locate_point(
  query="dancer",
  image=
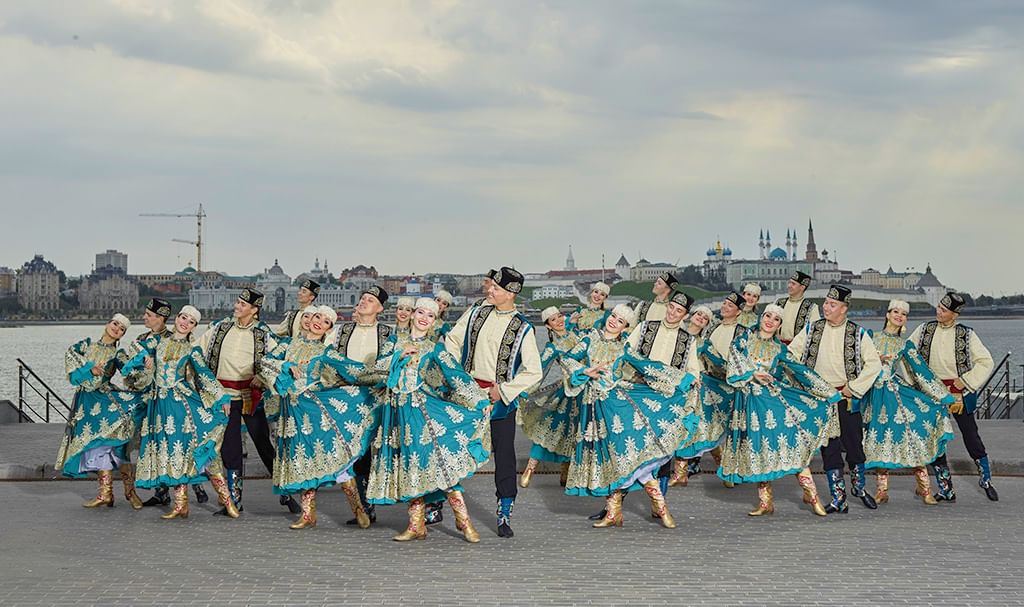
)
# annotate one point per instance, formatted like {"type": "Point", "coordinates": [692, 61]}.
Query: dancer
{"type": "Point", "coordinates": [101, 423]}
{"type": "Point", "coordinates": [441, 324]}
{"type": "Point", "coordinates": [185, 423]}
{"type": "Point", "coordinates": [782, 413]}
{"type": "Point", "coordinates": [432, 421]}
{"type": "Point", "coordinates": [549, 416]}
{"type": "Point", "coordinates": [362, 340]}
{"type": "Point", "coordinates": [955, 354]}
{"type": "Point", "coordinates": [626, 430]}
{"type": "Point", "coordinates": [496, 345]}
{"type": "Point", "coordinates": [663, 287]}
{"type": "Point", "coordinates": [291, 326]}
{"type": "Point", "coordinates": [748, 312]}
{"type": "Point", "coordinates": [593, 315]}
{"type": "Point", "coordinates": [403, 315]}
{"type": "Point", "coordinates": [844, 355]}
{"type": "Point", "coordinates": [323, 428]}
{"type": "Point", "coordinates": [234, 348]}
{"type": "Point", "coordinates": [798, 310]}
{"type": "Point", "coordinates": [906, 421]}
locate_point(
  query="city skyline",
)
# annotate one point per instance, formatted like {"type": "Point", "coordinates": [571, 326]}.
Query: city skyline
{"type": "Point", "coordinates": [451, 137]}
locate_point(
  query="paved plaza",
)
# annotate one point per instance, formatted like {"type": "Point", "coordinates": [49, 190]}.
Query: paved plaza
{"type": "Point", "coordinates": [56, 552]}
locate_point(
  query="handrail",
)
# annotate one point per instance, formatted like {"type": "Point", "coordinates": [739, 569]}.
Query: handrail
{"type": "Point", "coordinates": [25, 374]}
{"type": "Point", "coordinates": [995, 370]}
{"type": "Point", "coordinates": [996, 402]}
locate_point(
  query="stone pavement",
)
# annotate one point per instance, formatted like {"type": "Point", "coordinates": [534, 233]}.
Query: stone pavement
{"type": "Point", "coordinates": [27, 451]}
{"type": "Point", "coordinates": [56, 552]}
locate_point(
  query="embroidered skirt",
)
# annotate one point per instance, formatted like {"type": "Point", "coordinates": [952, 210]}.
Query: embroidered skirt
{"type": "Point", "coordinates": [180, 438]}
{"type": "Point", "coordinates": [716, 398]}
{"type": "Point", "coordinates": [99, 432]}
{"type": "Point", "coordinates": [550, 421]}
{"type": "Point", "coordinates": [903, 428]}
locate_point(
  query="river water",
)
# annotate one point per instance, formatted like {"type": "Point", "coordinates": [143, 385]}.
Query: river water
{"type": "Point", "coordinates": [42, 347]}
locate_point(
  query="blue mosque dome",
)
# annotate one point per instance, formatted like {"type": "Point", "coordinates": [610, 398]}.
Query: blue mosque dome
{"type": "Point", "coordinates": [711, 252]}
{"type": "Point", "coordinates": [777, 253]}
{"type": "Point", "coordinates": [727, 252]}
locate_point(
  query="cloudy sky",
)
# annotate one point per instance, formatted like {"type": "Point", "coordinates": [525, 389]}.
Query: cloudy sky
{"type": "Point", "coordinates": [449, 136]}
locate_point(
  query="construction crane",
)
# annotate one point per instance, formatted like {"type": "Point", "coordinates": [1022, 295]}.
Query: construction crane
{"type": "Point", "coordinates": [198, 242]}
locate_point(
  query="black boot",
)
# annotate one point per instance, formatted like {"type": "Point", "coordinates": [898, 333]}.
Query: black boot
{"type": "Point", "coordinates": [837, 488]}
{"type": "Point", "coordinates": [504, 514]}
{"type": "Point", "coordinates": [857, 480]}
{"type": "Point", "coordinates": [435, 513]}
{"type": "Point", "coordinates": [985, 478]}
{"type": "Point", "coordinates": [371, 511]}
{"type": "Point", "coordinates": [161, 497]}
{"type": "Point", "coordinates": [201, 495]}
{"type": "Point", "coordinates": [293, 506]}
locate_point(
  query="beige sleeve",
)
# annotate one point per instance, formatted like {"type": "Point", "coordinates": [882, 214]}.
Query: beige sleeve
{"type": "Point", "coordinates": [983, 364]}
{"type": "Point", "coordinates": [454, 339]}
{"type": "Point", "coordinates": [634, 337]}
{"type": "Point", "coordinates": [915, 338]}
{"type": "Point", "coordinates": [813, 315]}
{"type": "Point", "coordinates": [204, 340]}
{"type": "Point", "coordinates": [693, 364]}
{"type": "Point", "coordinates": [529, 375]}
{"type": "Point", "coordinates": [870, 370]}
{"type": "Point", "coordinates": [799, 344]}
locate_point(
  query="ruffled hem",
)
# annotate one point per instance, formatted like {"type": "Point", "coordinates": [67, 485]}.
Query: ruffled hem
{"type": "Point", "coordinates": [541, 454]}
{"type": "Point", "coordinates": [72, 467]}
{"type": "Point", "coordinates": [943, 441]}
{"type": "Point", "coordinates": [203, 456]}
{"type": "Point", "coordinates": [620, 483]}
{"type": "Point", "coordinates": [757, 478]}
{"type": "Point", "coordinates": [476, 451]}
{"type": "Point", "coordinates": [697, 449]}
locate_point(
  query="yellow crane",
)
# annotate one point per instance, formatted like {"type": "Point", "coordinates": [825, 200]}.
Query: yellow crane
{"type": "Point", "coordinates": [198, 242]}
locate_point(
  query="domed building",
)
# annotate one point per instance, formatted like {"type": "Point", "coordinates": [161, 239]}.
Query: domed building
{"type": "Point", "coordinates": [772, 267]}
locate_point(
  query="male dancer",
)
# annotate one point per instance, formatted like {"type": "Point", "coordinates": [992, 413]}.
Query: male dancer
{"type": "Point", "coordinates": [662, 290]}
{"type": "Point", "coordinates": [497, 346]}
{"type": "Point", "coordinates": [292, 323]}
{"type": "Point", "coordinates": [234, 348]}
{"type": "Point", "coordinates": [361, 339]}
{"type": "Point", "coordinates": [844, 355]}
{"type": "Point", "coordinates": [796, 311]}
{"type": "Point", "coordinates": [957, 356]}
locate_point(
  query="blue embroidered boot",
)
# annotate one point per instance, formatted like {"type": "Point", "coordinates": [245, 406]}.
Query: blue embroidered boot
{"type": "Point", "coordinates": [985, 480]}
{"type": "Point", "coordinates": [693, 466]}
{"type": "Point", "coordinates": [435, 513]}
{"type": "Point", "coordinates": [233, 478]}
{"type": "Point", "coordinates": [504, 514]}
{"type": "Point", "coordinates": [858, 482]}
{"type": "Point", "coordinates": [837, 488]}
{"type": "Point", "coordinates": [944, 482]}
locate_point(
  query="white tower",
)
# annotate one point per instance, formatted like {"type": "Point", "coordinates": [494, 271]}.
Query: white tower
{"type": "Point", "coordinates": [570, 263]}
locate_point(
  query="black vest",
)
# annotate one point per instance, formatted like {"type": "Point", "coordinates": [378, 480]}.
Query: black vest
{"type": "Point", "coordinates": [961, 345]}
{"type": "Point", "coordinates": [681, 351]}
{"type": "Point", "coordinates": [853, 362]}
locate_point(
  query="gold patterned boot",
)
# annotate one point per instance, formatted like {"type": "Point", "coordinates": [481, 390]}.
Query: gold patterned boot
{"type": "Point", "coordinates": [308, 504]}
{"type": "Point", "coordinates": [882, 491]}
{"type": "Point", "coordinates": [810, 491]}
{"type": "Point", "coordinates": [680, 474]}
{"type": "Point", "coordinates": [766, 505]}
{"type": "Point", "coordinates": [128, 480]}
{"type": "Point", "coordinates": [105, 493]}
{"type": "Point", "coordinates": [613, 511]}
{"type": "Point", "coordinates": [462, 522]}
{"type": "Point", "coordinates": [658, 505]}
{"type": "Point", "coordinates": [716, 454]}
{"type": "Point", "coordinates": [356, 504]}
{"type": "Point", "coordinates": [417, 529]}
{"type": "Point", "coordinates": [220, 485]}
{"type": "Point", "coordinates": [924, 486]}
{"type": "Point", "coordinates": [524, 480]}
{"type": "Point", "coordinates": [180, 500]}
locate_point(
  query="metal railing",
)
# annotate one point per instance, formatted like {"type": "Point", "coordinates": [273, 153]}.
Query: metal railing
{"type": "Point", "coordinates": [32, 388]}
{"type": "Point", "coordinates": [1001, 394]}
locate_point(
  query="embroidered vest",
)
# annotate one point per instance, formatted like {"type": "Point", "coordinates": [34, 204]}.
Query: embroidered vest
{"type": "Point", "coordinates": [509, 357]}
{"type": "Point", "coordinates": [961, 345]}
{"type": "Point", "coordinates": [853, 362]}
{"type": "Point", "coordinates": [345, 334]}
{"type": "Point", "coordinates": [680, 353]}
{"type": "Point", "coordinates": [801, 314]}
{"type": "Point", "coordinates": [259, 336]}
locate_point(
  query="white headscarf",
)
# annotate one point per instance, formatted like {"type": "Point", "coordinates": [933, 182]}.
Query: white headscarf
{"type": "Point", "coordinates": [328, 313]}
{"type": "Point", "coordinates": [428, 304]}
{"type": "Point", "coordinates": [122, 320]}
{"type": "Point", "coordinates": [191, 312]}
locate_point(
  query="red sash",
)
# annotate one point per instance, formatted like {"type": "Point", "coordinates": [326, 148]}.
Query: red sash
{"type": "Point", "coordinates": [255, 394]}
{"type": "Point", "coordinates": [952, 387]}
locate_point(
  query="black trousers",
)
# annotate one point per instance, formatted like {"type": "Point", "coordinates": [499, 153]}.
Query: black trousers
{"type": "Point", "coordinates": [259, 431]}
{"type": "Point", "coordinates": [851, 440]}
{"type": "Point", "coordinates": [503, 447]}
{"type": "Point", "coordinates": [969, 431]}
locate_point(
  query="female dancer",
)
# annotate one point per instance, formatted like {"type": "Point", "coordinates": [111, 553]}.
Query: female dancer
{"type": "Point", "coordinates": [323, 429]}
{"type": "Point", "coordinates": [904, 427]}
{"type": "Point", "coordinates": [748, 313]}
{"type": "Point", "coordinates": [593, 315]}
{"type": "Point", "coordinates": [101, 423]}
{"type": "Point", "coordinates": [783, 412]}
{"type": "Point", "coordinates": [625, 431]}
{"type": "Point", "coordinates": [441, 325]}
{"type": "Point", "coordinates": [549, 417]}
{"type": "Point", "coordinates": [184, 425]}
{"type": "Point", "coordinates": [432, 421]}
{"type": "Point", "coordinates": [403, 314]}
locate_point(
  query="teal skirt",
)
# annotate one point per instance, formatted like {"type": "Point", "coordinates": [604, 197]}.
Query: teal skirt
{"type": "Point", "coordinates": [98, 433]}
{"type": "Point", "coordinates": [903, 428]}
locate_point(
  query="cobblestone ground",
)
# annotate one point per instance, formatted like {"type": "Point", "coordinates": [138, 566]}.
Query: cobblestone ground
{"type": "Point", "coordinates": [53, 551]}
